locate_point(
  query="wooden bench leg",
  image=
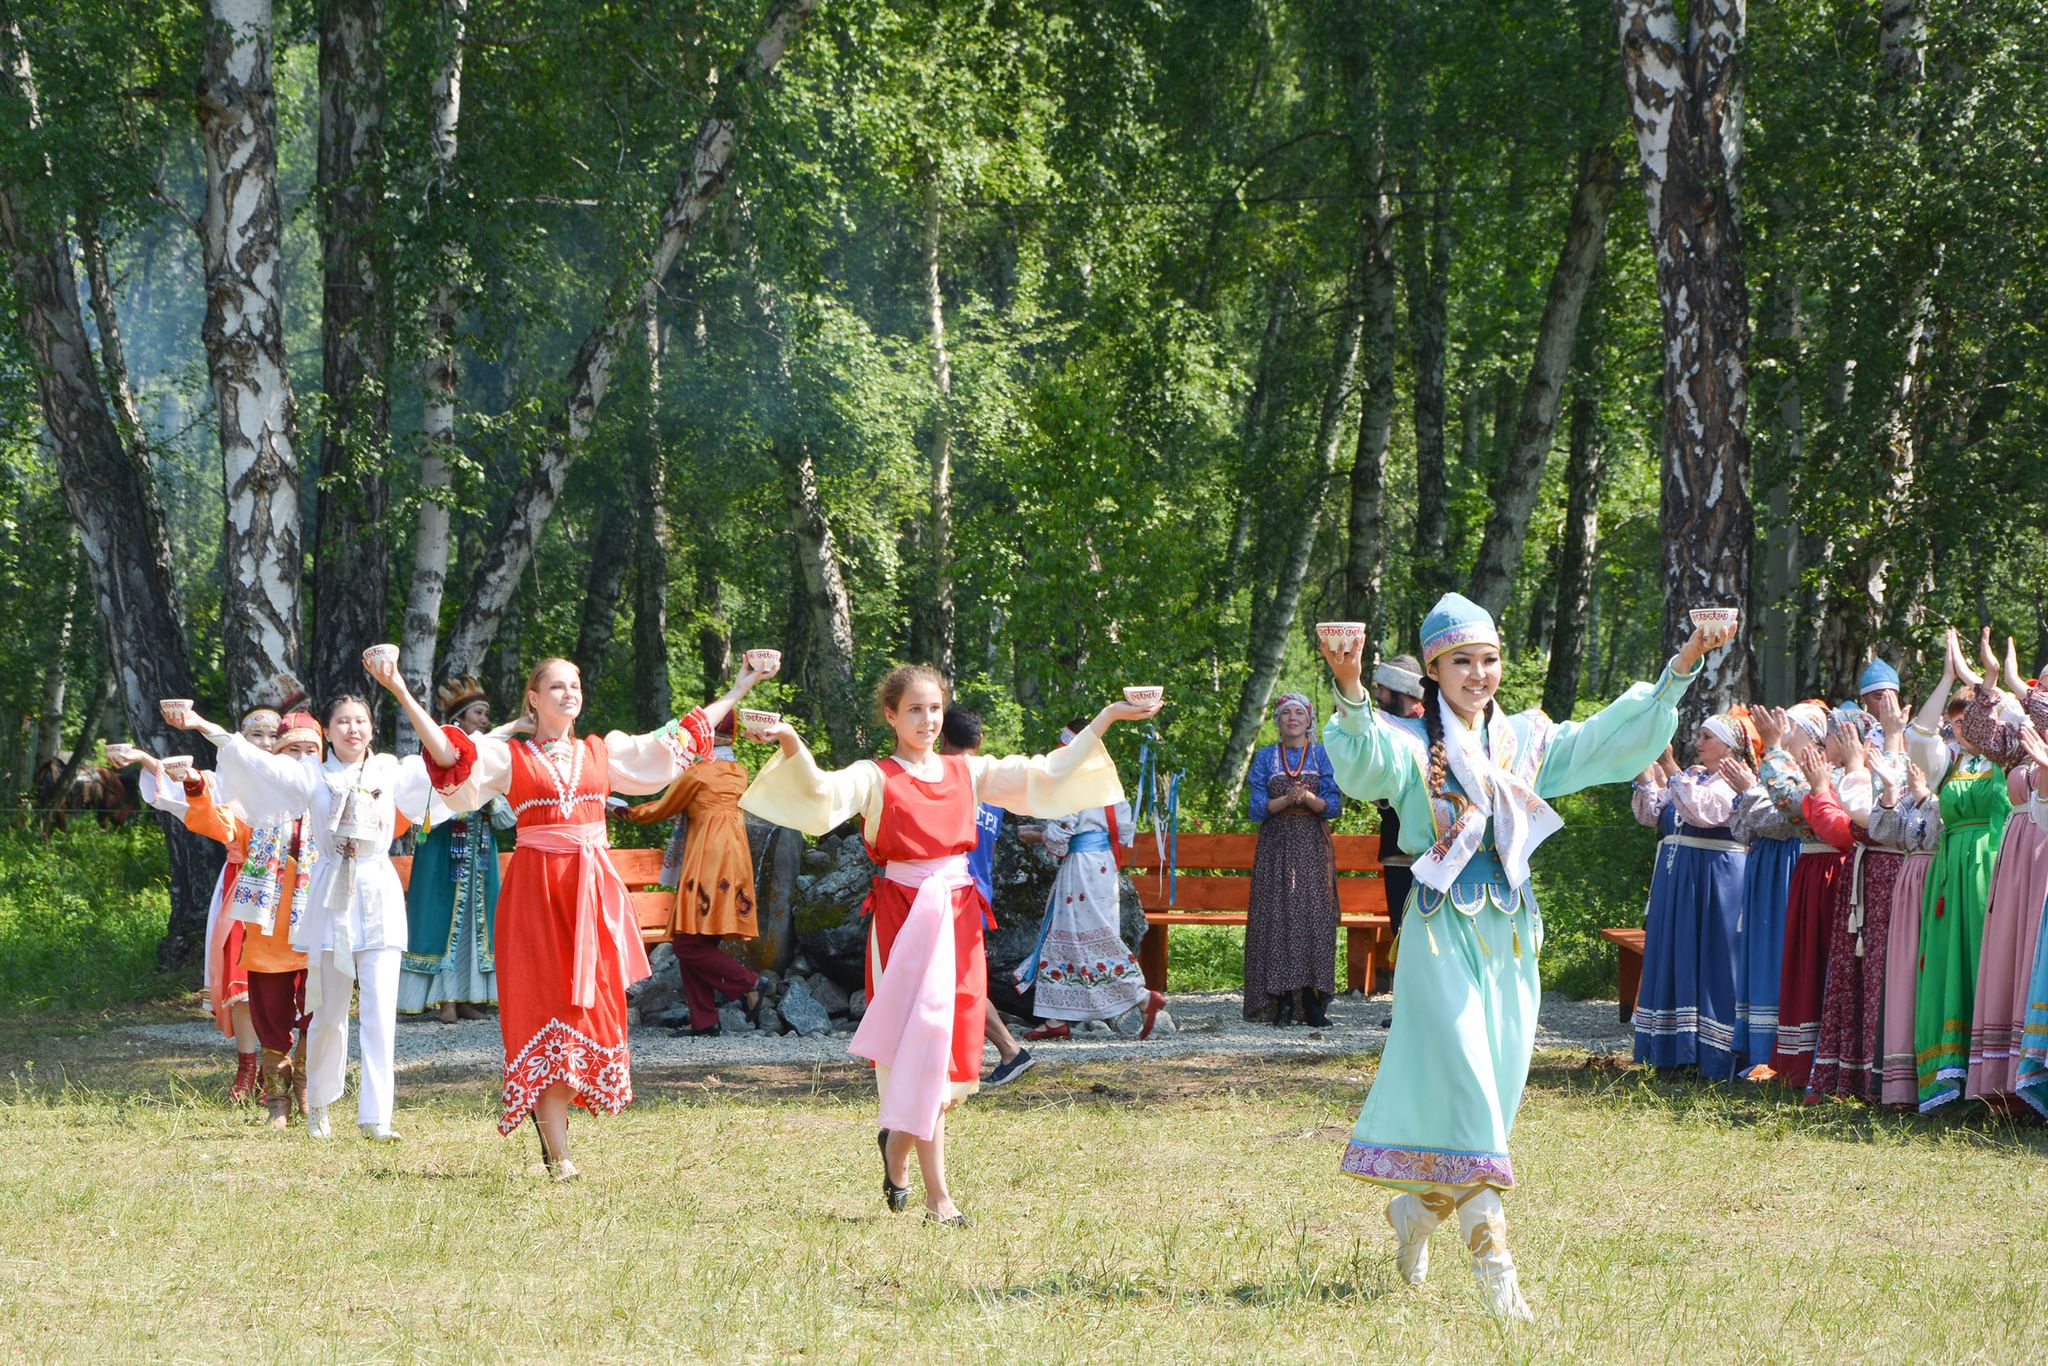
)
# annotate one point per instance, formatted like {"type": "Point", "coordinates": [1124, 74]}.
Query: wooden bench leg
{"type": "Point", "coordinates": [1360, 944]}
{"type": "Point", "coordinates": [1630, 966]}
{"type": "Point", "coordinates": [1152, 956]}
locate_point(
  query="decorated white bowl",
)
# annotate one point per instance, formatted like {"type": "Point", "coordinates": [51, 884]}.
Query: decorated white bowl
{"type": "Point", "coordinates": [1143, 696]}
{"type": "Point", "coordinates": [385, 654]}
{"type": "Point", "coordinates": [763, 661]}
{"type": "Point", "coordinates": [176, 766]}
{"type": "Point", "coordinates": [176, 709]}
{"type": "Point", "coordinates": [755, 722]}
{"type": "Point", "coordinates": [1709, 618]}
{"type": "Point", "coordinates": [1336, 634]}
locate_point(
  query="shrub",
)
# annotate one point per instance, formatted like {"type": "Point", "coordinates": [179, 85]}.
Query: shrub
{"type": "Point", "coordinates": [80, 918]}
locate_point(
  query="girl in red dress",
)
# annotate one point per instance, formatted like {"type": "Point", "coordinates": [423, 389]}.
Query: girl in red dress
{"type": "Point", "coordinates": [927, 978]}
{"type": "Point", "coordinates": [568, 943]}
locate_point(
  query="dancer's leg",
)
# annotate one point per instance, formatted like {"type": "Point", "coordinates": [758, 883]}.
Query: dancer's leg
{"type": "Point", "coordinates": [245, 1027]}
{"type": "Point", "coordinates": [1414, 1217]}
{"type": "Point", "coordinates": [931, 1161]}
{"type": "Point", "coordinates": [553, 1111]}
{"type": "Point", "coordinates": [996, 1032]}
{"type": "Point", "coordinates": [1485, 1227]}
{"type": "Point", "coordinates": [327, 1036]}
{"type": "Point", "coordinates": [377, 1021]}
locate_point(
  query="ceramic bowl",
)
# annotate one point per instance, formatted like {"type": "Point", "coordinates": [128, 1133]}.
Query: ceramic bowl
{"type": "Point", "coordinates": [387, 654]}
{"type": "Point", "coordinates": [1144, 696]}
{"type": "Point", "coordinates": [176, 766]}
{"type": "Point", "coordinates": [763, 661]}
{"type": "Point", "coordinates": [176, 709]}
{"type": "Point", "coordinates": [1710, 617]}
{"type": "Point", "coordinates": [754, 722]}
{"type": "Point", "coordinates": [1337, 634]}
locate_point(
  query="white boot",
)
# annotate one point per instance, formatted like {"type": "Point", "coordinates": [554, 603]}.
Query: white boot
{"type": "Point", "coordinates": [316, 1123]}
{"type": "Point", "coordinates": [1485, 1229]}
{"type": "Point", "coordinates": [379, 1133]}
{"type": "Point", "coordinates": [1414, 1218]}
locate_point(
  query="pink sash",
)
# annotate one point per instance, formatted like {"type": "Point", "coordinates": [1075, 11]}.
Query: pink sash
{"type": "Point", "coordinates": [908, 1028]}
{"type": "Point", "coordinates": [600, 897]}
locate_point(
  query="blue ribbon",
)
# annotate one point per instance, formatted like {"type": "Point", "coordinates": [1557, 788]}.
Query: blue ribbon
{"type": "Point", "coordinates": [1149, 779]}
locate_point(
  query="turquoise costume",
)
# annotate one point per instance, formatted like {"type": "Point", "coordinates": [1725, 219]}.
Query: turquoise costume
{"type": "Point", "coordinates": [1466, 987]}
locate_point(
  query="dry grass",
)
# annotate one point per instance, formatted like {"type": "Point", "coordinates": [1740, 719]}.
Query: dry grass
{"type": "Point", "coordinates": [1185, 1211]}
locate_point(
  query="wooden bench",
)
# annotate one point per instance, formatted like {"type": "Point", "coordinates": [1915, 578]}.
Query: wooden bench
{"type": "Point", "coordinates": [1207, 893]}
{"type": "Point", "coordinates": [640, 869]}
{"type": "Point", "coordinates": [1628, 969]}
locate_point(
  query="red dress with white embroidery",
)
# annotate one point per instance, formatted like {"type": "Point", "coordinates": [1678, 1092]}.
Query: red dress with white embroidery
{"type": "Point", "coordinates": [568, 944]}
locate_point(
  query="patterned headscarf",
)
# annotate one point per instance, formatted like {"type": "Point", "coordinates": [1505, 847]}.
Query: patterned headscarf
{"type": "Point", "coordinates": [1856, 719]}
{"type": "Point", "coordinates": [1734, 729]}
{"type": "Point", "coordinates": [1294, 699]}
{"type": "Point", "coordinates": [1811, 717]}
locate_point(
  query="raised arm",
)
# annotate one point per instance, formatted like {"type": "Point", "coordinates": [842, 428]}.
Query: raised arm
{"type": "Point", "coordinates": [434, 741]}
{"type": "Point", "coordinates": [792, 790]}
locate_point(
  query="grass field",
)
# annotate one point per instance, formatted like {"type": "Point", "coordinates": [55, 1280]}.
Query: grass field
{"type": "Point", "coordinates": [1184, 1211]}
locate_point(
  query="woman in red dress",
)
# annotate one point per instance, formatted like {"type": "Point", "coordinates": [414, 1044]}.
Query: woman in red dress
{"type": "Point", "coordinates": [927, 978]}
{"type": "Point", "coordinates": [568, 943]}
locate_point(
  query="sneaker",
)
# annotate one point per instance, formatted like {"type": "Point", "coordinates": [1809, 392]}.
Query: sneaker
{"type": "Point", "coordinates": [316, 1123]}
{"type": "Point", "coordinates": [379, 1133]}
{"type": "Point", "coordinates": [1011, 1070]}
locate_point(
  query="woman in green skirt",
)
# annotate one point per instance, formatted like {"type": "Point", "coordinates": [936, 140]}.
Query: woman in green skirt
{"type": "Point", "coordinates": [1469, 783]}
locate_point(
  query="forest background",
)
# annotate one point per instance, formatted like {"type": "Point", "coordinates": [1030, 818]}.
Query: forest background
{"type": "Point", "coordinates": [1064, 344]}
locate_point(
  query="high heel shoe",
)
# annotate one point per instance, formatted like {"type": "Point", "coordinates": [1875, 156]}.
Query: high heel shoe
{"type": "Point", "coordinates": [897, 1197]}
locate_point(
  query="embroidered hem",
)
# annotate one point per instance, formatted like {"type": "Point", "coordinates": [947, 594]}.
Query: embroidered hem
{"type": "Point", "coordinates": [600, 1077]}
{"type": "Point", "coordinates": [446, 780]}
{"type": "Point", "coordinates": [1427, 1166]}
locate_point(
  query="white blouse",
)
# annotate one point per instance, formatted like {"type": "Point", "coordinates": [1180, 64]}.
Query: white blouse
{"type": "Point", "coordinates": [640, 766]}
{"type": "Point", "coordinates": [275, 786]}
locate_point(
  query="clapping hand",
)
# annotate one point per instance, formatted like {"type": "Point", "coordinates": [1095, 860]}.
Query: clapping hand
{"type": "Point", "coordinates": [1916, 782]}
{"type": "Point", "coordinates": [1738, 774]}
{"type": "Point", "coordinates": [2030, 741]}
{"type": "Point", "coordinates": [1813, 766]}
{"type": "Point", "coordinates": [1771, 725]}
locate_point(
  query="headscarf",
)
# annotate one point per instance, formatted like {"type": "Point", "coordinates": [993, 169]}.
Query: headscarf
{"type": "Point", "coordinates": [1811, 717]}
{"type": "Point", "coordinates": [1294, 699]}
{"type": "Point", "coordinates": [1856, 719]}
{"type": "Point", "coordinates": [1734, 729]}
{"type": "Point", "coordinates": [1456, 620]}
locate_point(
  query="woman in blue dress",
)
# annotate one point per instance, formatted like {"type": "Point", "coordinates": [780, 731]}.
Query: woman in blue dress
{"type": "Point", "coordinates": [1470, 783]}
{"type": "Point", "coordinates": [1685, 1009]}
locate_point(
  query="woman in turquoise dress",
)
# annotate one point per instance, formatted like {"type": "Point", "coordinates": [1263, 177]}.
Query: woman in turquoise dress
{"type": "Point", "coordinates": [1469, 783]}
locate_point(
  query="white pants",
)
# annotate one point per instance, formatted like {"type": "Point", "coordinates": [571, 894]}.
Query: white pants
{"type": "Point", "coordinates": [327, 1038]}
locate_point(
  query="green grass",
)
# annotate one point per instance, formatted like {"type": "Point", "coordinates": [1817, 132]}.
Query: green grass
{"type": "Point", "coordinates": [1181, 1210]}
{"type": "Point", "coordinates": [80, 917]}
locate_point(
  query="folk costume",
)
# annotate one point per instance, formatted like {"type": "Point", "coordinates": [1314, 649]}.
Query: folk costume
{"type": "Point", "coordinates": [1774, 843]}
{"type": "Point", "coordinates": [1913, 826]}
{"type": "Point", "coordinates": [1685, 1007]}
{"type": "Point", "coordinates": [353, 930]}
{"type": "Point", "coordinates": [2012, 919]}
{"type": "Point", "coordinates": [1846, 1050]}
{"type": "Point", "coordinates": [1080, 968]}
{"type": "Point", "coordinates": [1290, 936]}
{"type": "Point", "coordinates": [451, 899]}
{"type": "Point", "coordinates": [568, 943]}
{"type": "Point", "coordinates": [1974, 806]}
{"type": "Point", "coordinates": [715, 882]}
{"type": "Point", "coordinates": [1809, 906]}
{"type": "Point", "coordinates": [927, 976]}
{"type": "Point", "coordinates": [225, 982]}
{"type": "Point", "coordinates": [1436, 1122]}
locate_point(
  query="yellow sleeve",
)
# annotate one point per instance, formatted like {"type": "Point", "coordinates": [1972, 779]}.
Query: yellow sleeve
{"type": "Point", "coordinates": [1071, 778]}
{"type": "Point", "coordinates": [796, 793]}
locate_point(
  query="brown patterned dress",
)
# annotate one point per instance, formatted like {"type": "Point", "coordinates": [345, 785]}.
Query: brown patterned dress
{"type": "Point", "coordinates": [1290, 937]}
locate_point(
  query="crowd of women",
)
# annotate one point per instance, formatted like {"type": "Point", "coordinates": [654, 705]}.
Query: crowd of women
{"type": "Point", "coordinates": [1848, 902]}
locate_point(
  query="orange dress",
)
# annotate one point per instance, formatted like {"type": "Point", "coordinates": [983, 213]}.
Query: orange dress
{"type": "Point", "coordinates": [227, 981]}
{"type": "Point", "coordinates": [568, 945]}
{"type": "Point", "coordinates": [259, 951]}
{"type": "Point", "coordinates": [716, 884]}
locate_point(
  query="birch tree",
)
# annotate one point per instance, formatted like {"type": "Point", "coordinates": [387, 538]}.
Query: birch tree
{"type": "Point", "coordinates": [241, 237]}
{"type": "Point", "coordinates": [1684, 89]}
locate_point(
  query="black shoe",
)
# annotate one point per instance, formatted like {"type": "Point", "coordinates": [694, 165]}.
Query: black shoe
{"type": "Point", "coordinates": [685, 1032]}
{"type": "Point", "coordinates": [957, 1221]}
{"type": "Point", "coordinates": [1312, 1009]}
{"type": "Point", "coordinates": [1283, 1014]}
{"type": "Point", "coordinates": [898, 1197]}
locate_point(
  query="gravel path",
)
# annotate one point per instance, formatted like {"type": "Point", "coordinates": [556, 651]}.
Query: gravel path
{"type": "Point", "coordinates": [1205, 1023]}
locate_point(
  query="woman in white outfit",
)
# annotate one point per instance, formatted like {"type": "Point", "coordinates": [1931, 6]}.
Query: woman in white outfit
{"type": "Point", "coordinates": [354, 928]}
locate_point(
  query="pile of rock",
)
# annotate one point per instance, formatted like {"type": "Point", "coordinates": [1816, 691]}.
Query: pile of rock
{"type": "Point", "coordinates": [805, 1001]}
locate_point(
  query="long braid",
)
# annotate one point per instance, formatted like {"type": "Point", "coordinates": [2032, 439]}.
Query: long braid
{"type": "Point", "coordinates": [1433, 727]}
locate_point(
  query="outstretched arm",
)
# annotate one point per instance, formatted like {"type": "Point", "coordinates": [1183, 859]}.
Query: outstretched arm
{"type": "Point", "coordinates": [432, 739]}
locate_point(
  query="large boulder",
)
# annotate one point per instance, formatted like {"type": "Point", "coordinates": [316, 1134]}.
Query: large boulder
{"type": "Point", "coordinates": [802, 1011]}
{"type": "Point", "coordinates": [777, 854]}
{"type": "Point", "coordinates": [1022, 875]}
{"type": "Point", "coordinates": [659, 991]}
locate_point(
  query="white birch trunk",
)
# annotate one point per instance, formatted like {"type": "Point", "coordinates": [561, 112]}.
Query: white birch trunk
{"type": "Point", "coordinates": [242, 245]}
{"type": "Point", "coordinates": [940, 540]}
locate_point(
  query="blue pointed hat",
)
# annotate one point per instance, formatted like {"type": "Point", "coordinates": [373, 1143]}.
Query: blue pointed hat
{"type": "Point", "coordinates": [1455, 620]}
{"type": "Point", "coordinates": [1877, 675]}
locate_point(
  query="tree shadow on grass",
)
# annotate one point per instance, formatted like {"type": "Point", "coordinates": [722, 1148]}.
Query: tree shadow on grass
{"type": "Point", "coordinates": [1611, 1083]}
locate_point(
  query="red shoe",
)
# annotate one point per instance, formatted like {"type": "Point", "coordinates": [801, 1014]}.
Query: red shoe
{"type": "Point", "coordinates": [246, 1066]}
{"type": "Point", "coordinates": [1153, 1000]}
{"type": "Point", "coordinates": [1052, 1029]}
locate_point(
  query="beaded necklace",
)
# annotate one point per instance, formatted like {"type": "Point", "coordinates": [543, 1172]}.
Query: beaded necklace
{"type": "Point", "coordinates": [1296, 770]}
{"type": "Point", "coordinates": [567, 798]}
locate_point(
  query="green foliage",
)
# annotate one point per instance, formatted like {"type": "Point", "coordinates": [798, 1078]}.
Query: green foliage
{"type": "Point", "coordinates": [1589, 876]}
{"type": "Point", "coordinates": [80, 917]}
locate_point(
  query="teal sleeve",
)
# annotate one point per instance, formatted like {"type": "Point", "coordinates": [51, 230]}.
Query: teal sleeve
{"type": "Point", "coordinates": [1369, 762]}
{"type": "Point", "coordinates": [1616, 743]}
